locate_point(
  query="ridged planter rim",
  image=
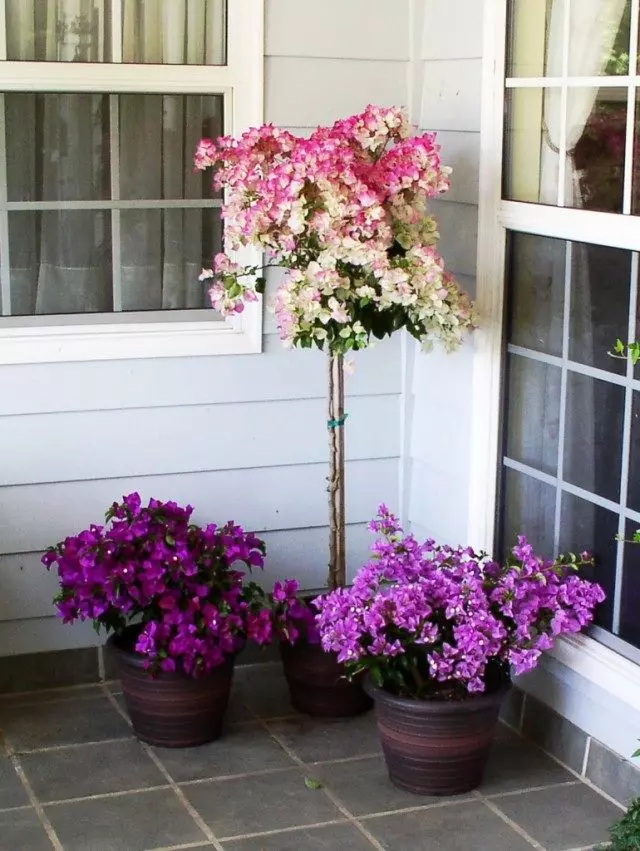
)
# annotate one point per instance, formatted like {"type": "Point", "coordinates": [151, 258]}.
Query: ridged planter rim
{"type": "Point", "coordinates": [439, 706]}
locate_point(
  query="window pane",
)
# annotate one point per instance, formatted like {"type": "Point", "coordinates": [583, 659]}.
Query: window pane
{"type": "Point", "coordinates": [536, 286]}
{"type": "Point", "coordinates": [630, 598]}
{"type": "Point", "coordinates": [596, 134]}
{"type": "Point", "coordinates": [60, 31]}
{"type": "Point", "coordinates": [533, 413]}
{"type": "Point", "coordinates": [593, 435]}
{"type": "Point", "coordinates": [60, 262]}
{"type": "Point", "coordinates": [633, 488]}
{"type": "Point", "coordinates": [57, 147]}
{"type": "Point", "coordinates": [599, 39]}
{"type": "Point", "coordinates": [528, 509]}
{"type": "Point", "coordinates": [600, 288]}
{"type": "Point", "coordinates": [177, 32]}
{"type": "Point", "coordinates": [530, 26]}
{"type": "Point", "coordinates": [162, 256]}
{"type": "Point", "coordinates": [175, 123]}
{"type": "Point", "coordinates": [530, 153]}
{"type": "Point", "coordinates": [585, 526]}
{"type": "Point", "coordinates": [635, 170]}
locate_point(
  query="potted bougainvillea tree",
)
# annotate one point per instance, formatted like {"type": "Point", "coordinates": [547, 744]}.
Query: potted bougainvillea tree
{"type": "Point", "coordinates": [344, 213]}
{"type": "Point", "coordinates": [438, 630]}
{"type": "Point", "coordinates": [177, 607]}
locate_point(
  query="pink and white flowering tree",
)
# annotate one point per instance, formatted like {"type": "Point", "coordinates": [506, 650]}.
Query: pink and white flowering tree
{"type": "Point", "coordinates": [345, 214]}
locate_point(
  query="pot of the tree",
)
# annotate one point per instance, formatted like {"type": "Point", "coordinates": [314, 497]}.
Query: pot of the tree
{"type": "Point", "coordinates": [438, 629]}
{"type": "Point", "coordinates": [318, 683]}
{"type": "Point", "coordinates": [178, 607]}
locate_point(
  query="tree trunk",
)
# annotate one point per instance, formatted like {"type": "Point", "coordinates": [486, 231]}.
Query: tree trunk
{"type": "Point", "coordinates": [335, 425]}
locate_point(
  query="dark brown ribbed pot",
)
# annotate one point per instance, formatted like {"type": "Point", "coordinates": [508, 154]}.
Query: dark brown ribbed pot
{"type": "Point", "coordinates": [435, 747]}
{"type": "Point", "coordinates": [172, 710]}
{"type": "Point", "coordinates": [317, 684]}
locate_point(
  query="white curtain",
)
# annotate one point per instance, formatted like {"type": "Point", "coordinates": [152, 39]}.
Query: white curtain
{"type": "Point", "coordinates": [58, 149]}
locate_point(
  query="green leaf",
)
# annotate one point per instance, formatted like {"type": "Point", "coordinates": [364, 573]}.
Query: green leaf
{"type": "Point", "coordinates": [312, 783]}
{"type": "Point", "coordinates": [171, 541]}
{"type": "Point", "coordinates": [261, 285]}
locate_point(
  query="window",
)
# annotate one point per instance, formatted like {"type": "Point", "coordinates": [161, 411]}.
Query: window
{"type": "Point", "coordinates": [104, 225]}
{"type": "Point", "coordinates": [564, 230]}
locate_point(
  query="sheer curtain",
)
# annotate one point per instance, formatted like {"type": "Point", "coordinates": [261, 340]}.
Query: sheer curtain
{"type": "Point", "coordinates": [58, 149]}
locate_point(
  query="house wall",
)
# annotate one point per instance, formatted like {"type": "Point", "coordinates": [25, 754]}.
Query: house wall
{"type": "Point", "coordinates": [446, 74]}
{"type": "Point", "coordinates": [239, 437]}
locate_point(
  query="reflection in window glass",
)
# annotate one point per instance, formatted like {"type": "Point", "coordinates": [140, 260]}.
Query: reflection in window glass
{"type": "Point", "coordinates": [599, 38]}
{"type": "Point", "coordinates": [61, 31]}
{"type": "Point", "coordinates": [179, 32]}
{"type": "Point", "coordinates": [528, 509]}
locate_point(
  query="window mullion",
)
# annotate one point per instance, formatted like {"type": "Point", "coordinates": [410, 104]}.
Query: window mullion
{"type": "Point", "coordinates": [631, 110]}
{"type": "Point", "coordinates": [562, 144]}
{"type": "Point", "coordinates": [3, 30]}
{"type": "Point", "coordinates": [626, 448]}
{"type": "Point", "coordinates": [5, 263]}
{"type": "Point", "coordinates": [568, 268]}
{"type": "Point", "coordinates": [116, 215]}
{"type": "Point", "coordinates": [116, 31]}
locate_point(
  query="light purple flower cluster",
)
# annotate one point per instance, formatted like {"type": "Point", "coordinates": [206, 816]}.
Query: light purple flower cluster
{"type": "Point", "coordinates": [433, 621]}
{"type": "Point", "coordinates": [151, 568]}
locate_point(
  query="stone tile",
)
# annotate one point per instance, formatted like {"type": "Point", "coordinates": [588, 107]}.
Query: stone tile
{"type": "Point", "coordinates": [363, 786]}
{"type": "Point", "coordinates": [318, 739]}
{"type": "Point", "coordinates": [61, 723]}
{"type": "Point", "coordinates": [90, 770]}
{"type": "Point", "coordinates": [124, 823]}
{"type": "Point", "coordinates": [554, 734]}
{"type": "Point", "coordinates": [241, 750]}
{"type": "Point", "coordinates": [265, 802]}
{"type": "Point", "coordinates": [53, 695]}
{"type": "Point", "coordinates": [12, 792]}
{"type": "Point", "coordinates": [511, 709]}
{"type": "Point", "coordinates": [460, 827]}
{"type": "Point", "coordinates": [30, 671]}
{"type": "Point", "coordinates": [254, 655]}
{"type": "Point", "coordinates": [614, 775]}
{"type": "Point", "coordinates": [559, 818]}
{"type": "Point", "coordinates": [344, 837]}
{"type": "Point", "coordinates": [264, 690]}
{"type": "Point", "coordinates": [20, 830]}
{"type": "Point", "coordinates": [515, 764]}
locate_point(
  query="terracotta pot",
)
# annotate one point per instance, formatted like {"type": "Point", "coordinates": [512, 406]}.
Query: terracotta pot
{"type": "Point", "coordinates": [437, 747]}
{"type": "Point", "coordinates": [317, 683]}
{"type": "Point", "coordinates": [172, 710]}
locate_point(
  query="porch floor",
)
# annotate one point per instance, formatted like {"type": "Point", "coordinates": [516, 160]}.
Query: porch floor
{"type": "Point", "coordinates": [72, 777]}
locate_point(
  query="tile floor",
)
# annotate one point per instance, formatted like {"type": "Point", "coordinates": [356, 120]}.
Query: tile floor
{"type": "Point", "coordinates": [73, 778]}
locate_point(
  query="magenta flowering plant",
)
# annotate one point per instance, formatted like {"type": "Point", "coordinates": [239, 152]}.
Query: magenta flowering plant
{"type": "Point", "coordinates": [434, 622]}
{"type": "Point", "coordinates": [293, 617]}
{"type": "Point", "coordinates": [151, 573]}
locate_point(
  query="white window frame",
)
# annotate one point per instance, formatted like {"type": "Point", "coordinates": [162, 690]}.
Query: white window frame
{"type": "Point", "coordinates": [158, 333]}
{"type": "Point", "coordinates": [582, 654]}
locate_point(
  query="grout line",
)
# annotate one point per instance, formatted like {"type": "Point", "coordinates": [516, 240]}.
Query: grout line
{"type": "Point", "coordinates": [195, 815]}
{"type": "Point", "coordinates": [35, 803]}
{"type": "Point", "coordinates": [334, 800]}
{"type": "Point", "coordinates": [346, 759]}
{"type": "Point", "coordinates": [184, 847]}
{"type": "Point", "coordinates": [15, 809]}
{"type": "Point", "coordinates": [512, 824]}
{"type": "Point", "coordinates": [585, 760]}
{"type": "Point", "coordinates": [419, 808]}
{"type": "Point", "coordinates": [104, 795]}
{"type": "Point", "coordinates": [101, 668]}
{"type": "Point", "coordinates": [72, 745]}
{"type": "Point", "coordinates": [282, 830]}
{"type": "Point", "coordinates": [58, 695]}
{"type": "Point", "coordinates": [522, 711]}
{"type": "Point", "coordinates": [541, 788]}
{"type": "Point", "coordinates": [225, 777]}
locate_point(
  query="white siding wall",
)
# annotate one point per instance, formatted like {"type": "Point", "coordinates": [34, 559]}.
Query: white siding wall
{"type": "Point", "coordinates": [240, 437]}
{"type": "Point", "coordinates": [446, 97]}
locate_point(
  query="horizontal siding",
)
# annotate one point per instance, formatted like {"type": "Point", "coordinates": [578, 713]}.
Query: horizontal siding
{"type": "Point", "coordinates": [451, 94]}
{"type": "Point", "coordinates": [453, 29]}
{"type": "Point", "coordinates": [28, 588]}
{"type": "Point", "coordinates": [272, 375]}
{"type": "Point", "coordinates": [269, 498]}
{"type": "Point", "coordinates": [109, 444]}
{"type": "Point", "coordinates": [333, 28]}
{"type": "Point", "coordinates": [36, 635]}
{"type": "Point", "coordinates": [458, 226]}
{"type": "Point", "coordinates": [302, 92]}
{"type": "Point", "coordinates": [438, 502]}
{"type": "Point", "coordinates": [461, 151]}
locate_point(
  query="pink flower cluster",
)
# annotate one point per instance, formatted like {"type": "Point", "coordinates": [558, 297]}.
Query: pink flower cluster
{"type": "Point", "coordinates": [345, 213]}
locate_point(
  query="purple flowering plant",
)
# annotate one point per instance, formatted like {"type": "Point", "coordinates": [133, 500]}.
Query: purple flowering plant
{"type": "Point", "coordinates": [434, 622]}
{"type": "Point", "coordinates": [151, 573]}
{"type": "Point", "coordinates": [293, 617]}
